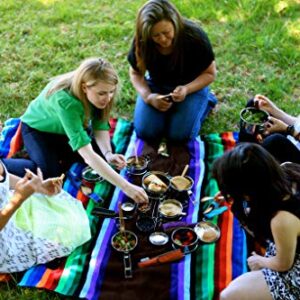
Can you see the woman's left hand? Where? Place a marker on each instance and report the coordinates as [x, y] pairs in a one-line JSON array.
[[179, 93], [255, 262], [274, 125], [118, 160]]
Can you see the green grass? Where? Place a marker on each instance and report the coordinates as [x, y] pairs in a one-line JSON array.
[[256, 43]]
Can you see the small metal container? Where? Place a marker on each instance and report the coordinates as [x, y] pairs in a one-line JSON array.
[[171, 209], [158, 238], [154, 190], [137, 165], [125, 242], [145, 224], [90, 177], [207, 232], [252, 120], [183, 192], [185, 238]]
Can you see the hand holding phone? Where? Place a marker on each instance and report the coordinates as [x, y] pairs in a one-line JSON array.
[[167, 98]]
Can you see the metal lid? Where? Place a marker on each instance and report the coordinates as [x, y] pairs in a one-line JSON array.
[[158, 238]]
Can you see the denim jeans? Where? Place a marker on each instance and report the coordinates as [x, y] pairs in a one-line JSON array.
[[181, 122], [48, 151]]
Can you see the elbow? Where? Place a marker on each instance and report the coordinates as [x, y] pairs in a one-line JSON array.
[[284, 266]]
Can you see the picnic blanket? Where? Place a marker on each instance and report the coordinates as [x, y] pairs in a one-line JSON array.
[[95, 270]]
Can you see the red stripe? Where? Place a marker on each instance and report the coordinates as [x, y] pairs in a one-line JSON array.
[[16, 142]]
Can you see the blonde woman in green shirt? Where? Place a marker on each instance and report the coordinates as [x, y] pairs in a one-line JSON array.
[[55, 126]]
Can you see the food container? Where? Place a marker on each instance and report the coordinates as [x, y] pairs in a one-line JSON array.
[[145, 223], [90, 177], [137, 165], [207, 232], [125, 242], [252, 120], [181, 187], [171, 209], [156, 184], [128, 209], [185, 238], [158, 238]]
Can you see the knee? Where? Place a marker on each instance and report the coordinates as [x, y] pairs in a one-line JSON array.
[[227, 294]]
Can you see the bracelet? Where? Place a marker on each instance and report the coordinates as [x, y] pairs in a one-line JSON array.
[[107, 152], [290, 130]]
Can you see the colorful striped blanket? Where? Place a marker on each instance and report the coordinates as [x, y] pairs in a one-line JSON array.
[[95, 270]]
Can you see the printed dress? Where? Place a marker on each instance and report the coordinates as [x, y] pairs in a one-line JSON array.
[[42, 229], [283, 285]]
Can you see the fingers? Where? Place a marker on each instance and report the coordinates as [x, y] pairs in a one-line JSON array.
[[58, 179]]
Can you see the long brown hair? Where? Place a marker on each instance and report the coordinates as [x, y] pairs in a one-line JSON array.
[[149, 14], [90, 72]]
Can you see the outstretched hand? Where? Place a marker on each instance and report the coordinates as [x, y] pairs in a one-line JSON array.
[[50, 186], [118, 160]]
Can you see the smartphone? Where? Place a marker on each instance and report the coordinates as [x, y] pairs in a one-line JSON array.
[[167, 98]]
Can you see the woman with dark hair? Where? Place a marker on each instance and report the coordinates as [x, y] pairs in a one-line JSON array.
[[281, 136], [177, 55], [265, 198]]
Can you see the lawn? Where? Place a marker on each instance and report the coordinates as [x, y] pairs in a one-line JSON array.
[[256, 43]]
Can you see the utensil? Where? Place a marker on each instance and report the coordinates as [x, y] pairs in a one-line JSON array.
[[185, 170], [164, 258]]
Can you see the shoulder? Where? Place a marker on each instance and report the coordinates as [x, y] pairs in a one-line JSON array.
[[285, 221], [193, 29], [65, 100]]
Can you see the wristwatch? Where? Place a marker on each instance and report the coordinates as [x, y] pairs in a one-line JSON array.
[[290, 130]]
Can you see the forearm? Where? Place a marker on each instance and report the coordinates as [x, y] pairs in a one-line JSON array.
[[203, 80], [103, 141], [98, 164], [139, 83], [286, 118], [274, 263], [7, 212]]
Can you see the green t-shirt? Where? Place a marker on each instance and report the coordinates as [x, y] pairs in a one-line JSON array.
[[61, 113]]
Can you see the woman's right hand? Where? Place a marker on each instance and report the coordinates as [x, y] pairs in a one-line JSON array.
[[136, 193], [158, 102], [264, 103]]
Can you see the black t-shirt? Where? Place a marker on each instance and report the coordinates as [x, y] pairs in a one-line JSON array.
[[197, 56]]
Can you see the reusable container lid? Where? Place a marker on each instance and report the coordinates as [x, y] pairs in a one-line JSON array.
[[158, 238]]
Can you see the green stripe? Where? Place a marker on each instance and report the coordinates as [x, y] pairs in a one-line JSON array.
[[205, 255], [74, 268]]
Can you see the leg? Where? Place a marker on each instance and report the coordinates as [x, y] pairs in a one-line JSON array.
[[149, 123], [281, 148], [17, 166], [249, 286], [186, 118], [43, 150]]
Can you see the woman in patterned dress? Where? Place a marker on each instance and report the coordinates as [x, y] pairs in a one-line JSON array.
[[35, 222], [265, 198]]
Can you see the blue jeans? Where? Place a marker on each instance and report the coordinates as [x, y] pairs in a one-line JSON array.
[[181, 122], [48, 151]]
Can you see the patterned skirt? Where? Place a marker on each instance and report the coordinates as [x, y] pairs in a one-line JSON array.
[[283, 285]]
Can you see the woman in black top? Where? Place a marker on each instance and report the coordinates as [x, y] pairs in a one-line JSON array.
[[179, 61], [265, 198]]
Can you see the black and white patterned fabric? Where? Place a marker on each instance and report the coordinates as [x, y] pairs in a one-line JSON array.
[[283, 285]]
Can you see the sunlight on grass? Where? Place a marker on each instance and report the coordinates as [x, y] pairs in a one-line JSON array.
[[293, 29], [49, 2]]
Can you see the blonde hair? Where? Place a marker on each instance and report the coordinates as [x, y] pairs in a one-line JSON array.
[[90, 72]]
